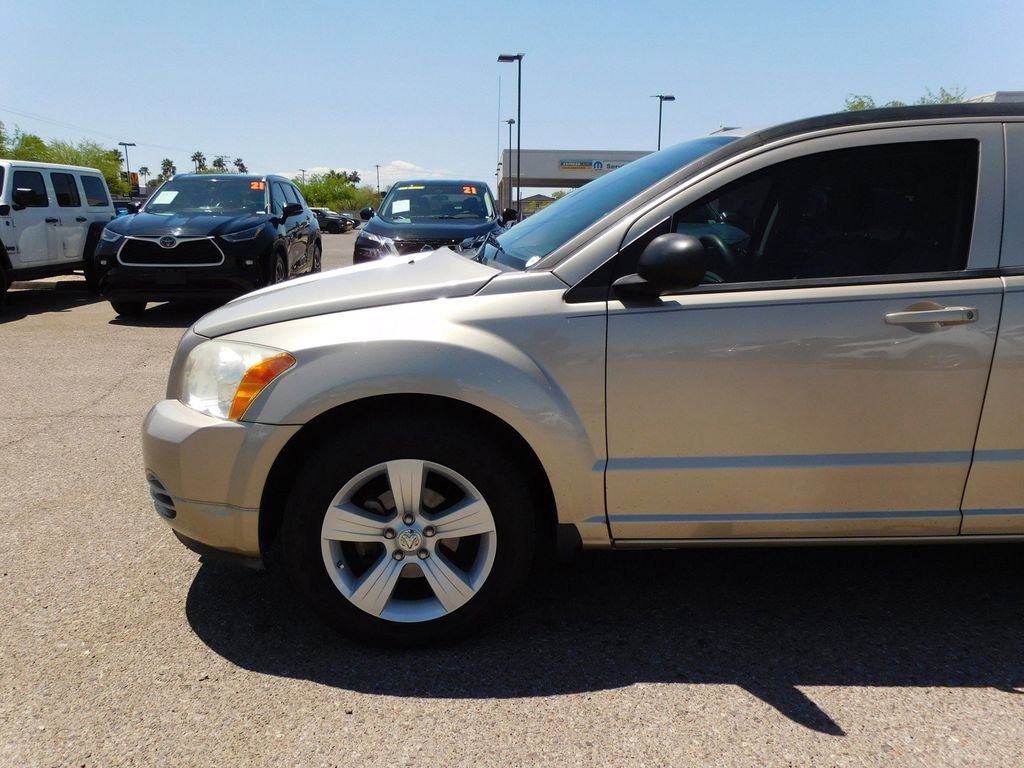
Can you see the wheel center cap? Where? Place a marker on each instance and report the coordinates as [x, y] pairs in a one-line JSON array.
[[409, 540]]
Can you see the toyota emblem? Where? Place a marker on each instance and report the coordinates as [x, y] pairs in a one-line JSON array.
[[167, 241]]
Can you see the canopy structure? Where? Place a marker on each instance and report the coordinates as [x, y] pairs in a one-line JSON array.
[[557, 169]]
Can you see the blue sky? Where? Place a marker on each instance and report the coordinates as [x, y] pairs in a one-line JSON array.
[[414, 86]]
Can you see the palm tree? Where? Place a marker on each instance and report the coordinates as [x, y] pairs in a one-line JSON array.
[[144, 173], [219, 164], [200, 160], [240, 165], [167, 168]]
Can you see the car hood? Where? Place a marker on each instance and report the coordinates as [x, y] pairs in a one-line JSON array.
[[184, 225], [441, 229], [394, 280]]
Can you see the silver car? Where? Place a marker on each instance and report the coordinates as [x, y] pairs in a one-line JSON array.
[[813, 333]]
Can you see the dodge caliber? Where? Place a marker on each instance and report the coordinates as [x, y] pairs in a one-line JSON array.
[[813, 332]]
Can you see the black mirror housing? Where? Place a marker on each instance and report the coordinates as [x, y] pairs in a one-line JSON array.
[[509, 214], [366, 214], [292, 209], [670, 263]]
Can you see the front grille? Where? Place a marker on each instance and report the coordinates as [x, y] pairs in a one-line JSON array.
[[161, 499], [415, 246], [198, 252]]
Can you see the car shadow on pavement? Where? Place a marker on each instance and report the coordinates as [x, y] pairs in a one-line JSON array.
[[37, 298], [175, 314], [771, 621]]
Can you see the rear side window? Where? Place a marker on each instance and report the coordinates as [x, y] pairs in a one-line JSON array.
[[32, 181], [880, 210], [66, 190], [290, 193], [277, 198], [95, 191]]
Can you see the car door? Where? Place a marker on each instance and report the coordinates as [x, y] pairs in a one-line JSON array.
[[35, 223], [73, 223], [301, 253], [828, 377]]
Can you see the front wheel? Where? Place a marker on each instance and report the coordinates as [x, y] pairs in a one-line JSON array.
[[129, 308], [279, 271], [410, 534], [318, 259]]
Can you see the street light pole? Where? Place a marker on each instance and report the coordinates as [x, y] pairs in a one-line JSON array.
[[662, 98], [506, 58], [511, 121], [378, 184], [303, 172], [127, 167]]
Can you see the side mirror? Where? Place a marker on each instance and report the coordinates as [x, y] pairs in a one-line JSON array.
[[366, 214], [509, 214], [669, 264], [22, 198], [133, 207], [5, 210], [291, 209]]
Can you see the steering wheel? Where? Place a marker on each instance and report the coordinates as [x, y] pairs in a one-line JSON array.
[[722, 258]]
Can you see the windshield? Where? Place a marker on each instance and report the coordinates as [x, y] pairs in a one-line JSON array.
[[210, 195], [534, 238], [428, 201]]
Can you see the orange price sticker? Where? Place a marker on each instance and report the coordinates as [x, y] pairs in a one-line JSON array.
[[260, 185], [469, 190]]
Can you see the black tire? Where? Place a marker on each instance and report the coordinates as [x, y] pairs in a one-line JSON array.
[[467, 451], [334, 228], [129, 308], [279, 271], [92, 278], [5, 283], [317, 264]]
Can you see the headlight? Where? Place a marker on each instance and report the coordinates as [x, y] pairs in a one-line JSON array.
[[223, 377], [110, 235], [246, 234], [380, 243]]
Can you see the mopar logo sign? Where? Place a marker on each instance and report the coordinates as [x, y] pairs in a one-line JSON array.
[[167, 241]]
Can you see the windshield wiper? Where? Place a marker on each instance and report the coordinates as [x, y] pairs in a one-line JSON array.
[[491, 239]]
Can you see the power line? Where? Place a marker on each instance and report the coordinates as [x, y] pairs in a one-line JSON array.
[[62, 124]]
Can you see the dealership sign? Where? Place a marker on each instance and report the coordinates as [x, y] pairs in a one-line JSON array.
[[589, 165]]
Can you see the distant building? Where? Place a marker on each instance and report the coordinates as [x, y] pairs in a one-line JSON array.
[[1001, 96], [536, 203]]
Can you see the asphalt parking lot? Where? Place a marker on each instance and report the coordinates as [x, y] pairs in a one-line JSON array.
[[119, 647]]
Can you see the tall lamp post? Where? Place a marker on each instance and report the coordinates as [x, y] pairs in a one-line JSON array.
[[127, 167], [378, 184], [303, 172], [511, 121], [662, 98], [507, 58]]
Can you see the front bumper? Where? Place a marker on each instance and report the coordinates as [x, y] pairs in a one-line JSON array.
[[207, 475]]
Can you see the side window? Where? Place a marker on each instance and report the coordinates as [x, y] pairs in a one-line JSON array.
[[95, 192], [300, 198], [290, 193], [881, 210], [277, 198], [66, 190], [32, 181]]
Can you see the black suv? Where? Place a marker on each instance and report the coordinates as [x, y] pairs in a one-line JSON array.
[[207, 235], [425, 215]]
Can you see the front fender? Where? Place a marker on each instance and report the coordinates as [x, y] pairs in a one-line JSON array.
[[401, 350]]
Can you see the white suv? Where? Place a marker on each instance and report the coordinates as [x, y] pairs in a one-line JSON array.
[[51, 217]]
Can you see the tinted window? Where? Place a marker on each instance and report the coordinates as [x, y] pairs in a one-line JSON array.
[[1, 178], [33, 181], [890, 209], [290, 193], [95, 191], [277, 198], [422, 201], [66, 190]]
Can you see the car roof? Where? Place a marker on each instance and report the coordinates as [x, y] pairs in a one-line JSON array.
[[54, 166], [225, 176], [425, 182]]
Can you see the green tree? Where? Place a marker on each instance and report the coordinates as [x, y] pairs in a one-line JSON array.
[[240, 166], [91, 155], [28, 146], [167, 168], [144, 173], [858, 101], [220, 163], [200, 161]]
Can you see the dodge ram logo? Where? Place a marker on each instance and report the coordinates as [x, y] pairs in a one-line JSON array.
[[167, 241]]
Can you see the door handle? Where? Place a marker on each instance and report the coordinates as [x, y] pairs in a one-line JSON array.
[[81, 219], [52, 220], [940, 316]]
